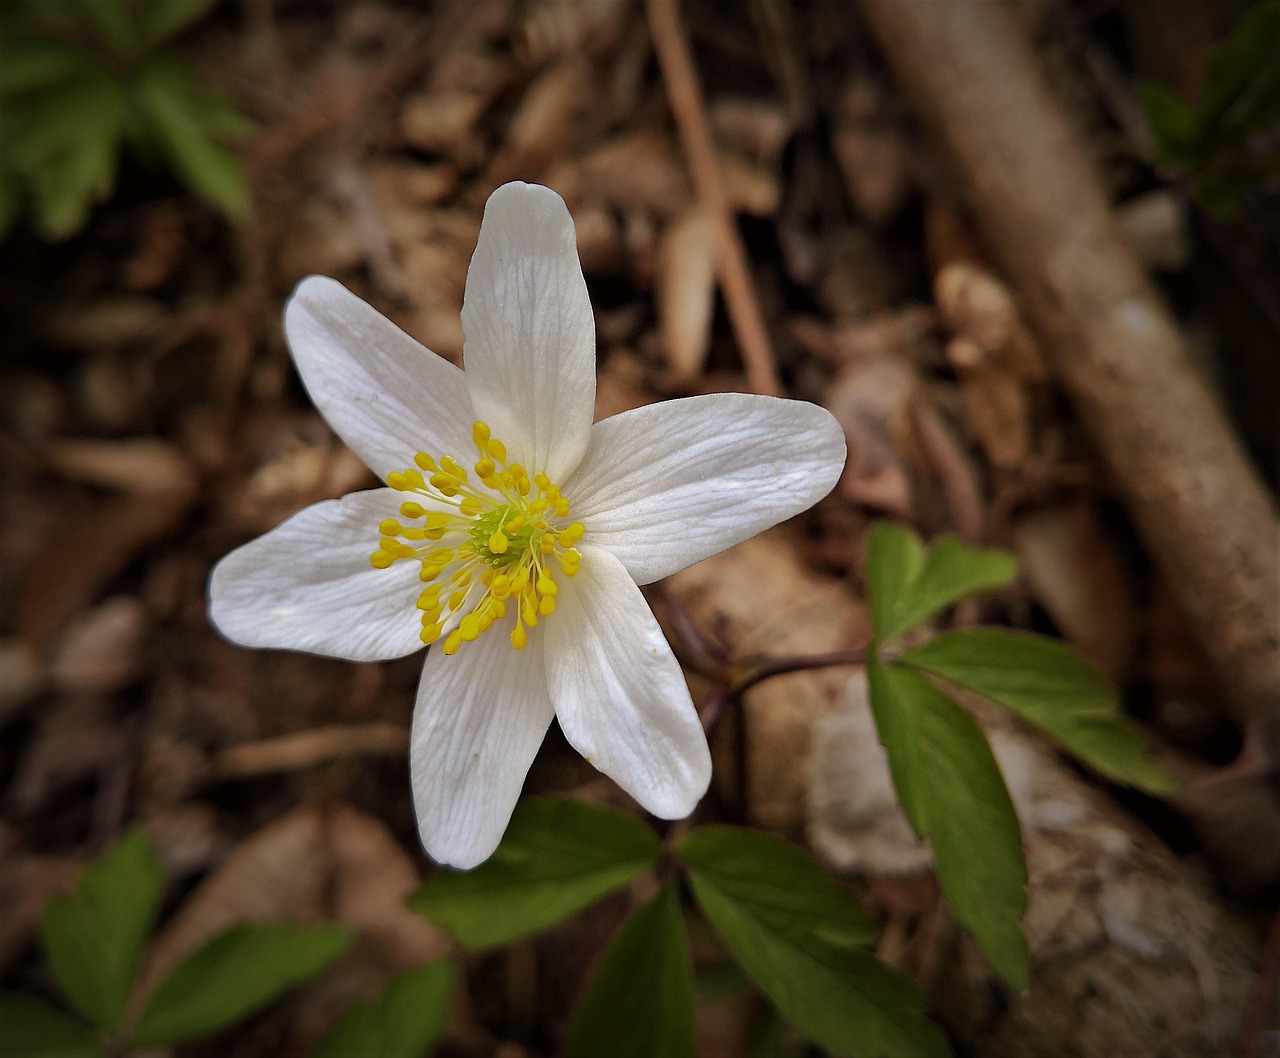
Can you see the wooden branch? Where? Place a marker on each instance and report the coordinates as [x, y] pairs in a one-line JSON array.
[[1203, 514], [690, 112]]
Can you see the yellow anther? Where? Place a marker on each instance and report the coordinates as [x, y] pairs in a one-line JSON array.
[[494, 533]]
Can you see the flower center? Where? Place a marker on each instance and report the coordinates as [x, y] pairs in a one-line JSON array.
[[496, 541]]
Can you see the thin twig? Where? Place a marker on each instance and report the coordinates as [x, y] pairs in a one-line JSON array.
[[804, 663], [301, 750], [690, 112]]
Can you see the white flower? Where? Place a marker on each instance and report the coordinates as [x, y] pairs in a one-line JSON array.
[[524, 562]]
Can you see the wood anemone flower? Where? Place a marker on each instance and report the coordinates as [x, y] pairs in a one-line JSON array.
[[522, 566]]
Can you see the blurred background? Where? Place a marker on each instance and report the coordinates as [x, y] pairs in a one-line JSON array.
[[169, 170]]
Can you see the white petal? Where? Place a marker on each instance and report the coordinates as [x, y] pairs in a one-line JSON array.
[[384, 394], [480, 718], [308, 585], [667, 485], [530, 349], [620, 696]]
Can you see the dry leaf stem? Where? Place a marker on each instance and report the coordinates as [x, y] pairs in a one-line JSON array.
[[689, 108]]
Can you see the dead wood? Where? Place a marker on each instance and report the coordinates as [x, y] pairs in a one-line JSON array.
[[1200, 508]]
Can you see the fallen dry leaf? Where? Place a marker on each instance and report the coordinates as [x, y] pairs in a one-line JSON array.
[[687, 292], [322, 862]]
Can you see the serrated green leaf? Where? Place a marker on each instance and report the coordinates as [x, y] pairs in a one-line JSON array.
[[234, 974], [791, 894], [908, 583], [1051, 687], [954, 793], [895, 557], [159, 20], [93, 938], [113, 21], [30, 1029], [31, 63], [640, 1002], [66, 187], [60, 119], [404, 1022], [172, 103], [1242, 58], [840, 996], [559, 855], [1175, 126]]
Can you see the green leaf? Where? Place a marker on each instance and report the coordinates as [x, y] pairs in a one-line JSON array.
[[895, 557], [404, 1022], [30, 1029], [953, 791], [93, 938], [1242, 58], [113, 21], [159, 20], [801, 954], [793, 896], [1175, 126], [1051, 687], [65, 141], [640, 1002], [558, 855], [234, 974], [29, 63], [173, 104], [908, 583]]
